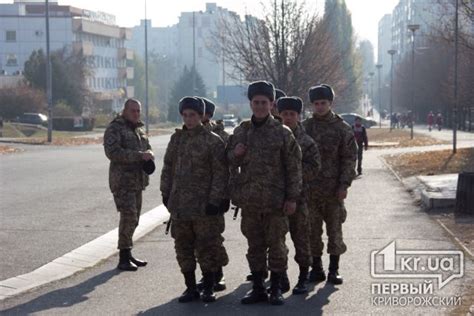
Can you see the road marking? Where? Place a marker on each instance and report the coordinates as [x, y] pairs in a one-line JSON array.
[[84, 257]]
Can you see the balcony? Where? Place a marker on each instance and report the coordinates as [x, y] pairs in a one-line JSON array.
[[84, 48], [126, 73], [124, 53], [96, 28]]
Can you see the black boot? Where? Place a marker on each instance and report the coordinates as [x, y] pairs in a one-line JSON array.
[[125, 263], [284, 283], [250, 276], [137, 262], [317, 271], [200, 284], [207, 295], [333, 275], [219, 281], [191, 292], [276, 298], [258, 293], [300, 287]]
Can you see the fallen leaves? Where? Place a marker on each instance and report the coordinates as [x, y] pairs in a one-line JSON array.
[[432, 162]]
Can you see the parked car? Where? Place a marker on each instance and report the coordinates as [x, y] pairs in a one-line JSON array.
[[229, 120], [33, 118], [350, 118]]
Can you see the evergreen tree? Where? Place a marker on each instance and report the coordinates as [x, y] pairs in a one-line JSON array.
[[184, 87]]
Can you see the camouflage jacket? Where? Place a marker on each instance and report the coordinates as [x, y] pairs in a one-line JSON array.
[[270, 171], [338, 150], [311, 159], [218, 128], [124, 145], [194, 172]]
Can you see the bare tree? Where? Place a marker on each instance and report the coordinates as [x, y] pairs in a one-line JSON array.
[[290, 47]]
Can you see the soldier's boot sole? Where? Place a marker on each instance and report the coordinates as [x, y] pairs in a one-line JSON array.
[[127, 266], [138, 262]]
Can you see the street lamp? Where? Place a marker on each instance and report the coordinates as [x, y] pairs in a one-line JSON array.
[[413, 28], [391, 52], [455, 107], [49, 81], [371, 75], [146, 73], [379, 68]]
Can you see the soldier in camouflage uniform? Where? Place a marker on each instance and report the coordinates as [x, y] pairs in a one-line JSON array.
[[290, 109], [213, 126], [222, 257], [193, 181], [266, 188], [328, 191], [278, 94], [127, 147]]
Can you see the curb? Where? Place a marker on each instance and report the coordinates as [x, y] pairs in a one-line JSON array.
[[84, 257], [446, 229]]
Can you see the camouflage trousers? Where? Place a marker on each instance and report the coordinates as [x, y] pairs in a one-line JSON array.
[[221, 255], [198, 239], [332, 212], [299, 232], [129, 204], [265, 233]]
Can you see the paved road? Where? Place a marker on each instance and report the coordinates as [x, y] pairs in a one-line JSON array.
[[379, 211], [54, 199]]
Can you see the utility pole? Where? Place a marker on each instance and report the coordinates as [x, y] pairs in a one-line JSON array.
[[455, 107], [146, 72], [194, 53], [49, 81], [379, 68], [413, 28], [391, 52]]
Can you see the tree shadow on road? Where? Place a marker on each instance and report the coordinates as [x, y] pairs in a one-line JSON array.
[[63, 297], [229, 304]]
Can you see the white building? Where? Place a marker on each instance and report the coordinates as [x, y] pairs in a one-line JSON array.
[[384, 43], [176, 42], [92, 34]]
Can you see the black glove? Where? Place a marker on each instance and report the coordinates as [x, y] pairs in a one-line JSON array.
[[225, 204], [165, 200], [212, 209]]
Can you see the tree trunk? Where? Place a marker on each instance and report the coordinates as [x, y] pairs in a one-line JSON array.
[[465, 193]]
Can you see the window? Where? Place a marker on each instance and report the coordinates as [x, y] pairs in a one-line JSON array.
[[12, 60], [10, 36]]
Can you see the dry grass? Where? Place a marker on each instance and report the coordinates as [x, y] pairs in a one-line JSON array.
[[432, 162], [400, 136], [8, 150]]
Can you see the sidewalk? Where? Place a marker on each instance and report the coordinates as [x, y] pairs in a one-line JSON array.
[[379, 211]]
